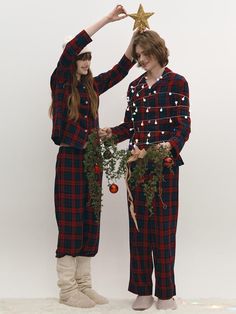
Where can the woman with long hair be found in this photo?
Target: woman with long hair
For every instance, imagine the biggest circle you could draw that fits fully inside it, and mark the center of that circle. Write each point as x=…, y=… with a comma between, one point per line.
x=74, y=112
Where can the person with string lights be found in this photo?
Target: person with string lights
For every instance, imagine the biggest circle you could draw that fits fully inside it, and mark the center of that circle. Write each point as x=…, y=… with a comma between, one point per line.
x=157, y=114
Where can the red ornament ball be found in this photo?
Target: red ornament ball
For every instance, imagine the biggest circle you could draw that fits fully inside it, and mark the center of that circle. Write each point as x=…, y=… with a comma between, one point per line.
x=113, y=188
x=97, y=169
x=168, y=162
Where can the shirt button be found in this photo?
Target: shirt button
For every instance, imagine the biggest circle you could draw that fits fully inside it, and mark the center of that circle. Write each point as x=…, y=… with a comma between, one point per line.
x=86, y=131
x=86, y=116
x=86, y=102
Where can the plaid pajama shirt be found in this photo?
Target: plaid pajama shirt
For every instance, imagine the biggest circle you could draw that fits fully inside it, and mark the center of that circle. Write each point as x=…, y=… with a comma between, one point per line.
x=156, y=114
x=78, y=229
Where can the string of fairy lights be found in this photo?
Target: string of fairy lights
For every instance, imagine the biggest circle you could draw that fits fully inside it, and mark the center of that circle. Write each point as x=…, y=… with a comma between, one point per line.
x=141, y=104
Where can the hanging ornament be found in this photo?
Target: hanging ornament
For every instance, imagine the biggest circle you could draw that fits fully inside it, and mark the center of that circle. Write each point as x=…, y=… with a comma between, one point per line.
x=107, y=154
x=113, y=188
x=97, y=169
x=168, y=162
x=141, y=19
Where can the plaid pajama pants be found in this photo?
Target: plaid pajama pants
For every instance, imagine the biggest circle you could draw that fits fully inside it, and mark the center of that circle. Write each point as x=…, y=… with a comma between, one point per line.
x=77, y=226
x=154, y=245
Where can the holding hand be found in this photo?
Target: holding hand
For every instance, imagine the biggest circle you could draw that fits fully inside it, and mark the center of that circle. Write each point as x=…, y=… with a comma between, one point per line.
x=105, y=133
x=165, y=145
x=118, y=13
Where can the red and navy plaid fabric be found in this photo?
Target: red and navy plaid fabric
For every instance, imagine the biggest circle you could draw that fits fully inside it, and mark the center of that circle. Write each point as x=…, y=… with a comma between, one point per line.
x=78, y=229
x=156, y=236
x=156, y=114
x=68, y=131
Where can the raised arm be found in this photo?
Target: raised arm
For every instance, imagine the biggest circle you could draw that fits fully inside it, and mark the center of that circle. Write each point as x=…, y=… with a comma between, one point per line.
x=73, y=47
x=118, y=13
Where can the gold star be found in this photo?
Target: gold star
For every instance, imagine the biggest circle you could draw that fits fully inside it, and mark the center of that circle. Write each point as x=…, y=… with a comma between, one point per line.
x=141, y=18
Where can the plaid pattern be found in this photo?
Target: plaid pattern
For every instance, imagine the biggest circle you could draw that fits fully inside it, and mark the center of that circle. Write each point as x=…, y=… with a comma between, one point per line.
x=156, y=236
x=156, y=114
x=68, y=131
x=78, y=230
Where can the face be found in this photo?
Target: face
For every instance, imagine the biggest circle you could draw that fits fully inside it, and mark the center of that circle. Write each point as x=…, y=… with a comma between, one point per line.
x=83, y=67
x=148, y=63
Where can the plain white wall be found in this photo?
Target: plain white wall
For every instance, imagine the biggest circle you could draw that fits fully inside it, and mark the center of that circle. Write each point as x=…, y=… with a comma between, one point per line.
x=201, y=38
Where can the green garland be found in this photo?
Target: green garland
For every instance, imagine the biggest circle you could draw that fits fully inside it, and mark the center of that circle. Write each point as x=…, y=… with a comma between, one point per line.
x=154, y=160
x=104, y=156
x=92, y=159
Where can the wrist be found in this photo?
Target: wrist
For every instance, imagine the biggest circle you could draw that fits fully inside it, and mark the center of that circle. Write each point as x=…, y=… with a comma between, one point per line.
x=107, y=19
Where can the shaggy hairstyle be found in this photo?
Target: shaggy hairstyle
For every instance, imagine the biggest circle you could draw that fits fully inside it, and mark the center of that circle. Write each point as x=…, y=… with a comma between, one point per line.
x=153, y=45
x=73, y=102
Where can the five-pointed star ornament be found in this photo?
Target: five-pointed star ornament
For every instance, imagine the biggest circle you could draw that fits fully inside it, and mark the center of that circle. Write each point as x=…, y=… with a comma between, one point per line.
x=141, y=19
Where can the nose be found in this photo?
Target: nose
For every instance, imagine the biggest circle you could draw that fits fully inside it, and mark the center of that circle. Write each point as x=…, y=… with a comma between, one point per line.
x=141, y=58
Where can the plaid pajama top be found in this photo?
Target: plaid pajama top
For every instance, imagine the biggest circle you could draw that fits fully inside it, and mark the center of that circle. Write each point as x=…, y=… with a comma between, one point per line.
x=68, y=131
x=156, y=114
x=78, y=230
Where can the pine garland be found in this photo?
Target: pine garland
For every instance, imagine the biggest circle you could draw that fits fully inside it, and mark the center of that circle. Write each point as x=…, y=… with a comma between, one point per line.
x=93, y=167
x=104, y=156
x=151, y=165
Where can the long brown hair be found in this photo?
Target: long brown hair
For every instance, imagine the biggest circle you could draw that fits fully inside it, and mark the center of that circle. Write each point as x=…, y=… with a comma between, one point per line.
x=73, y=101
x=153, y=45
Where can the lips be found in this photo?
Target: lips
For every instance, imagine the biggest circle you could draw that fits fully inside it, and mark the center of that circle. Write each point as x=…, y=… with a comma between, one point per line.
x=144, y=65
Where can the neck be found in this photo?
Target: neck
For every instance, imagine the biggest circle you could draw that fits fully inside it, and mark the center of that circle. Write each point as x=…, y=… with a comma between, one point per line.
x=155, y=73
x=78, y=76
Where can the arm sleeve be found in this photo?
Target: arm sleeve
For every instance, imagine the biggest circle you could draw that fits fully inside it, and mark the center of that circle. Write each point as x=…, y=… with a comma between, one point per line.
x=183, y=126
x=108, y=79
x=68, y=57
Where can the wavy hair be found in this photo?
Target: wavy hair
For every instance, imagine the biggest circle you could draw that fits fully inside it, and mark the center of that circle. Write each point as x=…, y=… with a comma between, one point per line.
x=73, y=102
x=153, y=45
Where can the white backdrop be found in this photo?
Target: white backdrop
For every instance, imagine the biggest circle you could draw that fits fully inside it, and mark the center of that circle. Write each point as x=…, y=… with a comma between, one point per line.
x=201, y=38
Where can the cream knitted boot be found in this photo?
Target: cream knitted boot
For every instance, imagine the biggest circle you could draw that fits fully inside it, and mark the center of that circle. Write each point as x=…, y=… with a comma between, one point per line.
x=69, y=293
x=83, y=278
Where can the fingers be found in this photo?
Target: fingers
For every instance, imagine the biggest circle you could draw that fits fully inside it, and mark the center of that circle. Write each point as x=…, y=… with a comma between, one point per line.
x=105, y=133
x=120, y=9
x=165, y=145
x=118, y=13
x=102, y=133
